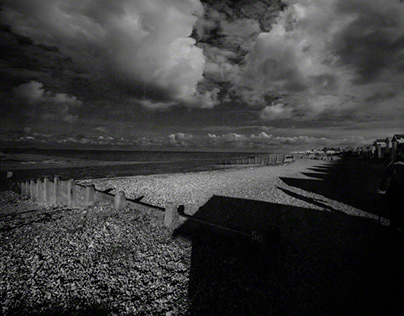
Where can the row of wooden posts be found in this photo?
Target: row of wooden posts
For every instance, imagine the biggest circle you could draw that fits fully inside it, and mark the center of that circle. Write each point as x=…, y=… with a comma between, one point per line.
x=56, y=192
x=260, y=160
x=67, y=193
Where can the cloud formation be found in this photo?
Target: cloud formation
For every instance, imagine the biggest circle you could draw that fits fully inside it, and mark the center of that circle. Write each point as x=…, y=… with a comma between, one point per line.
x=259, y=141
x=320, y=55
x=46, y=105
x=180, y=139
x=327, y=68
x=34, y=92
x=275, y=112
x=136, y=43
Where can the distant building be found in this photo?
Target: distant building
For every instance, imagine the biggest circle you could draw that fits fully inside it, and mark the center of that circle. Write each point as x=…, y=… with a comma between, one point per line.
x=380, y=148
x=388, y=150
x=397, y=140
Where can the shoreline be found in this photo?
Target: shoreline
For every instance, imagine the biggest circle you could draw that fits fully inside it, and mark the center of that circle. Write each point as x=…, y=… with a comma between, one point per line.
x=32, y=166
x=259, y=183
x=24, y=162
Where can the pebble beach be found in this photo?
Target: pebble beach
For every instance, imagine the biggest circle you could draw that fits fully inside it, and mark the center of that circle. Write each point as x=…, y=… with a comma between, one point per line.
x=336, y=256
x=262, y=183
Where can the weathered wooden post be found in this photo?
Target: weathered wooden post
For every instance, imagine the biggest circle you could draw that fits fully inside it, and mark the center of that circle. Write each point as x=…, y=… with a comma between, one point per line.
x=23, y=192
x=379, y=151
x=120, y=200
x=26, y=189
x=10, y=175
x=394, y=149
x=56, y=191
x=71, y=193
x=32, y=186
x=171, y=215
x=46, y=190
x=39, y=191
x=90, y=195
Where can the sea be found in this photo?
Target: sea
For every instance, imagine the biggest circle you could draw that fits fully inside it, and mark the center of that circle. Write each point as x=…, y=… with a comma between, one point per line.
x=138, y=162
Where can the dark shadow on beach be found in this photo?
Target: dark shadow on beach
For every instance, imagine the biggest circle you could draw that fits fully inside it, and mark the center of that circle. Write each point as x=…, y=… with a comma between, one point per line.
x=327, y=263
x=308, y=200
x=349, y=180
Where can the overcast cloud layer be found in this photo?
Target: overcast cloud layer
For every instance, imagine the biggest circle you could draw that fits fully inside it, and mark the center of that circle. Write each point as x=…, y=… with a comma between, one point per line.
x=177, y=72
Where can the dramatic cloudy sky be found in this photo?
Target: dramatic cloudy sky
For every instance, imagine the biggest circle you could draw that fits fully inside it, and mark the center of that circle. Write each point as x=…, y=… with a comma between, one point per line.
x=215, y=75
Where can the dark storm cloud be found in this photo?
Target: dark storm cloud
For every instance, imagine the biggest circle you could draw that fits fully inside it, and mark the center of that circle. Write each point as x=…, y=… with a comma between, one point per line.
x=325, y=58
x=374, y=41
x=22, y=60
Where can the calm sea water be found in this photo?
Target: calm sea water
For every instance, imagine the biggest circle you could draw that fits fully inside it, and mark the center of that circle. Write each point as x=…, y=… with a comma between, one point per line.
x=151, y=162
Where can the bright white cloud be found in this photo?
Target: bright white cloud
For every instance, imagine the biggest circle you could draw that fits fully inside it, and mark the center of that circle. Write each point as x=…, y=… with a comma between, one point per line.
x=156, y=105
x=261, y=135
x=180, y=139
x=137, y=41
x=35, y=92
x=46, y=105
x=299, y=140
x=101, y=129
x=263, y=140
x=276, y=112
x=32, y=91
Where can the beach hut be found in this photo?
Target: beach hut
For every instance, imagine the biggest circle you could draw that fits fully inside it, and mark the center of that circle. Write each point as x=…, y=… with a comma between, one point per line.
x=397, y=140
x=387, y=152
x=380, y=145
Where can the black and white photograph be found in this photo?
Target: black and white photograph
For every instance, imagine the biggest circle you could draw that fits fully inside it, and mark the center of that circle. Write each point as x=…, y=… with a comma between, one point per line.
x=201, y=157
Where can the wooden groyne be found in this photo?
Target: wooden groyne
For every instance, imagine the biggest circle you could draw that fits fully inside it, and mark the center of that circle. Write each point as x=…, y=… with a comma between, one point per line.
x=264, y=160
x=56, y=192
